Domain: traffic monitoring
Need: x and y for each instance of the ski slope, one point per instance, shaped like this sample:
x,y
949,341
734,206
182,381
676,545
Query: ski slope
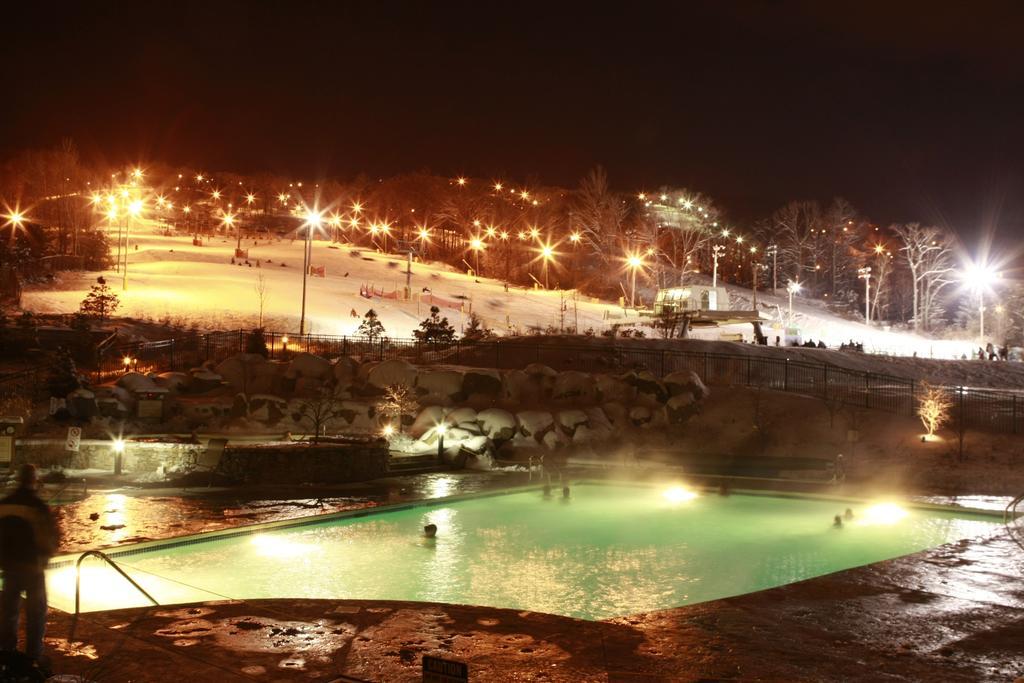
x,y
169,277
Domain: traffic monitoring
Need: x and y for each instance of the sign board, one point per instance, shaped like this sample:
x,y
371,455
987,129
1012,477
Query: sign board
x,y
74,440
151,408
317,271
437,670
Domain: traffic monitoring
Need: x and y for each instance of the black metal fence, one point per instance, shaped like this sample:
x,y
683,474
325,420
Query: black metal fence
x,y
987,410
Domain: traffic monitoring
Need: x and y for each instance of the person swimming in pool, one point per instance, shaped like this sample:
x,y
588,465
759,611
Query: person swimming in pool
x,y
430,531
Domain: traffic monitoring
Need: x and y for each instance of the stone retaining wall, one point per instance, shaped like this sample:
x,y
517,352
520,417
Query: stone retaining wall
x,y
305,463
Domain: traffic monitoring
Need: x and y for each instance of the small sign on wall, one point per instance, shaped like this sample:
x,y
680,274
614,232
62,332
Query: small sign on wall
x,y
74,440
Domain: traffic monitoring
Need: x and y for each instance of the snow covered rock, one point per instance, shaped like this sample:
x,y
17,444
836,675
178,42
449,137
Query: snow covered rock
x,y
204,379
640,415
82,404
596,419
137,383
534,422
345,370
569,420
543,375
611,388
266,408
650,391
616,414
519,388
426,420
685,382
573,387
482,382
439,386
393,372
681,408
308,365
499,425
174,382
462,417
555,440
249,372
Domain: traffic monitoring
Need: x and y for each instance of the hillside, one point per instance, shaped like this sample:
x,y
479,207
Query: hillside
x,y
169,277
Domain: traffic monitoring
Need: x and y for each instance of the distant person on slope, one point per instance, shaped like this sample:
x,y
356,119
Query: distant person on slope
x,y
28,538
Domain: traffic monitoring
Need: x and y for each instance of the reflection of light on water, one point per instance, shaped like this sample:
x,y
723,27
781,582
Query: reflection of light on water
x,y
883,513
274,546
678,494
441,487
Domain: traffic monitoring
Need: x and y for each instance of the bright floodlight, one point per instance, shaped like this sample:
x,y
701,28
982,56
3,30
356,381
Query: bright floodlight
x,y
883,513
442,428
793,287
15,218
388,430
135,208
476,244
574,238
980,277
119,445
634,261
678,494
314,218
547,251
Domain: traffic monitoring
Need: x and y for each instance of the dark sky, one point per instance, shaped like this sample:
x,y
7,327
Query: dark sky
x,y
911,111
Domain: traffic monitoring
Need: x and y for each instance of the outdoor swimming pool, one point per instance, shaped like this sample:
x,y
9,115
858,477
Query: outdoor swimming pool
x,y
609,550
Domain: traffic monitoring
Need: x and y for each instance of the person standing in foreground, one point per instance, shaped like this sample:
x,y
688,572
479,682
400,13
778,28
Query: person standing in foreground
x,y
28,538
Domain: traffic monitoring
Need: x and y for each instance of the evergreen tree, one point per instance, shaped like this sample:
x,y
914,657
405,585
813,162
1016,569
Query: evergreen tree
x,y
476,329
256,343
63,377
101,301
371,327
435,329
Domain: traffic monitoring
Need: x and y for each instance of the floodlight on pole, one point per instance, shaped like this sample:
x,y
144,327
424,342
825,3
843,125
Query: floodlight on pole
x,y
313,221
865,274
634,262
793,287
716,252
980,277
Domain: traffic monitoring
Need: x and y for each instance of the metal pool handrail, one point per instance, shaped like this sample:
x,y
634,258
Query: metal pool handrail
x,y
102,556
1009,520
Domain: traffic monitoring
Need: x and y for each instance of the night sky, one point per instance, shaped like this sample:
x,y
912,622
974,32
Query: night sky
x,y
911,111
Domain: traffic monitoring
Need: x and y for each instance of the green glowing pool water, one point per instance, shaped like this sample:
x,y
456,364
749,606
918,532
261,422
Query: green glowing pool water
x,y
608,551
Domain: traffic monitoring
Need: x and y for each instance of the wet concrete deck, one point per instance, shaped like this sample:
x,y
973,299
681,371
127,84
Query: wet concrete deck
x,y
953,613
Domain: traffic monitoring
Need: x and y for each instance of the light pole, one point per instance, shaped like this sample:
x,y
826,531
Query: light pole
x,y
547,252
313,220
477,245
865,274
634,262
134,209
773,251
793,287
980,277
716,252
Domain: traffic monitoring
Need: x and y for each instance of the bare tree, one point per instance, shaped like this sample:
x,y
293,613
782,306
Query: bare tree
x,y
262,295
320,411
927,252
933,407
398,402
599,213
795,226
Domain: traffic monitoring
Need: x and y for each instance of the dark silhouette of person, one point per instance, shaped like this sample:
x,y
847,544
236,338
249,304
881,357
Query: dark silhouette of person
x,y
28,539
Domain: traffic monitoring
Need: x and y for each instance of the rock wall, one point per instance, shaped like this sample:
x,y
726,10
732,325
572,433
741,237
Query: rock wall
x,y
305,463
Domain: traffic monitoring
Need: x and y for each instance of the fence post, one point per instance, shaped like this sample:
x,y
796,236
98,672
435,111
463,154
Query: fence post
x,y
344,346
824,389
172,354
913,399
381,357
785,376
867,390
706,380
662,363
241,341
749,361
207,335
